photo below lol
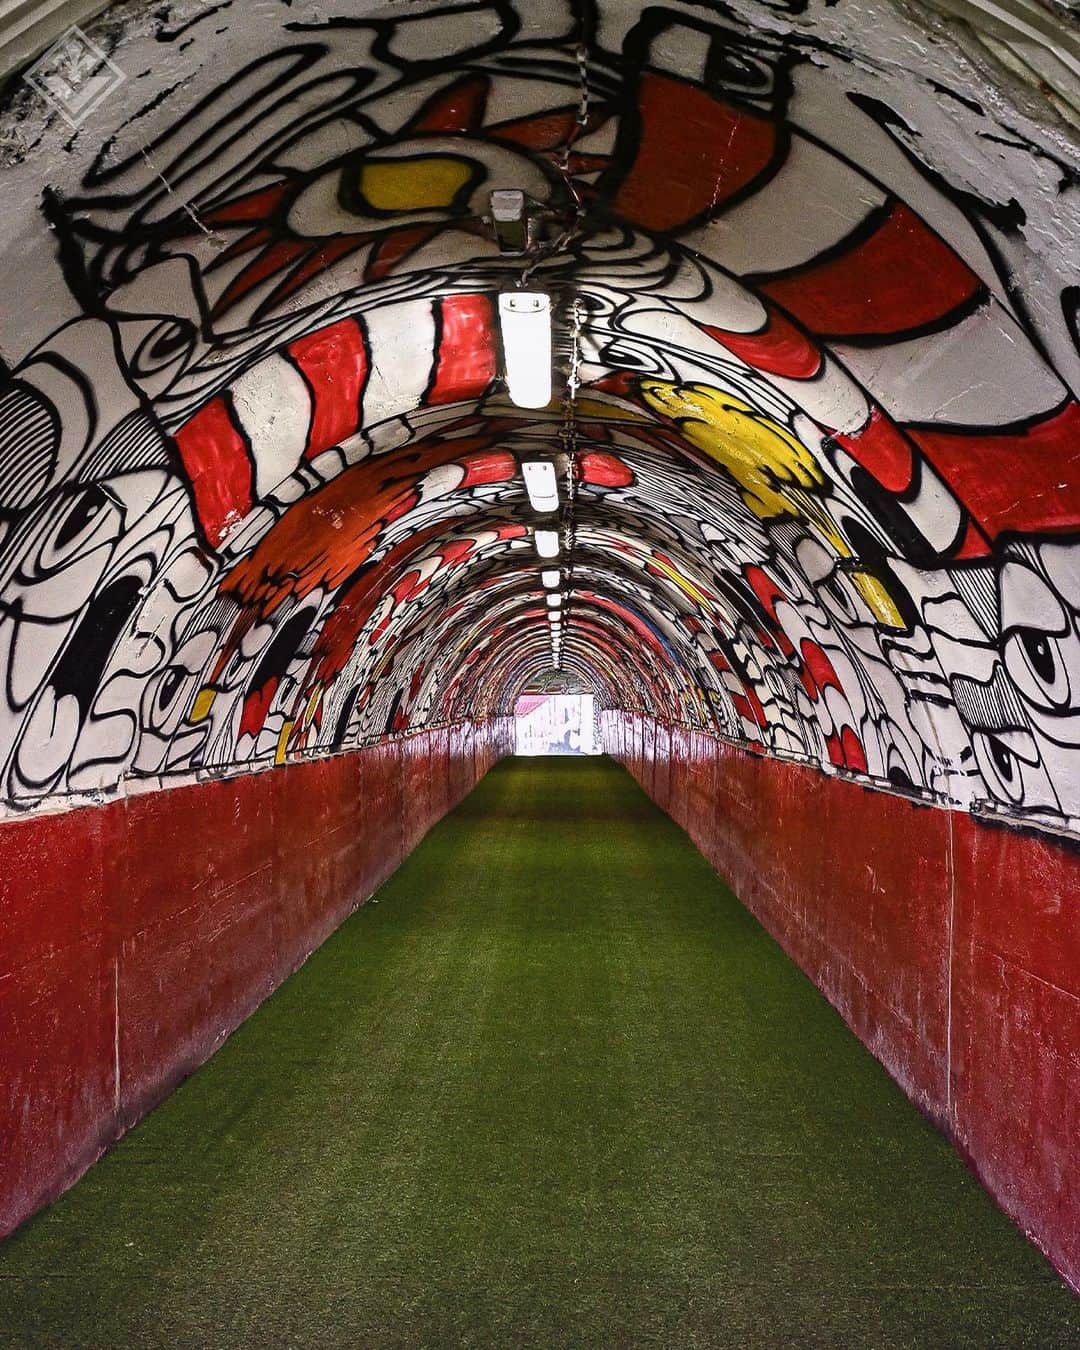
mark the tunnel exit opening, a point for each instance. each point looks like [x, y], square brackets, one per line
[556, 724]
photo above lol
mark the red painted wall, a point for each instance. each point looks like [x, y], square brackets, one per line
[951, 947]
[135, 936]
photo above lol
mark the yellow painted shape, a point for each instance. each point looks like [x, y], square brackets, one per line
[878, 599]
[414, 184]
[312, 704]
[204, 701]
[763, 457]
[594, 407]
[282, 742]
[686, 586]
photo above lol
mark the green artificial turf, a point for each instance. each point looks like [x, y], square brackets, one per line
[555, 1088]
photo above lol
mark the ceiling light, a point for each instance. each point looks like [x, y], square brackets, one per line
[547, 543]
[550, 577]
[510, 220]
[525, 320]
[553, 618]
[554, 601]
[541, 485]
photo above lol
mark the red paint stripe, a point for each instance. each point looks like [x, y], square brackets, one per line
[882, 450]
[272, 261]
[778, 349]
[256, 707]
[216, 461]
[854, 755]
[456, 552]
[544, 131]
[901, 277]
[317, 261]
[334, 362]
[255, 206]
[409, 586]
[983, 468]
[695, 153]
[974, 543]
[495, 466]
[465, 360]
[394, 247]
[459, 107]
[819, 665]
[600, 469]
[769, 595]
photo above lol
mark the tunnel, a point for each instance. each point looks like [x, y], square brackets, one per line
[375, 373]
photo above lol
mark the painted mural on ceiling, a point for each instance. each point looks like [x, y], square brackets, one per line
[815, 427]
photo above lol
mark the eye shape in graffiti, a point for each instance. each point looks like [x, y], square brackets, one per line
[1006, 751]
[1039, 591]
[391, 197]
[69, 618]
[1040, 644]
[59, 558]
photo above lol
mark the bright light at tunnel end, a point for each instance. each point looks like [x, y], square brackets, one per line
[547, 543]
[525, 321]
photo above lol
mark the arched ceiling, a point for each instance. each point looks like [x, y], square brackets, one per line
[813, 421]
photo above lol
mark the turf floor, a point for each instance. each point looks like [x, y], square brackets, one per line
[555, 1088]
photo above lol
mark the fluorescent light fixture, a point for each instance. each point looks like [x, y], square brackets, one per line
[525, 320]
[540, 484]
[547, 543]
[554, 601]
[550, 577]
[553, 618]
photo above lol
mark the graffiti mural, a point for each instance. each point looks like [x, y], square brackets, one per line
[815, 416]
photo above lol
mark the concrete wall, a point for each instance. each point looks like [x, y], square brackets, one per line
[951, 947]
[135, 936]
